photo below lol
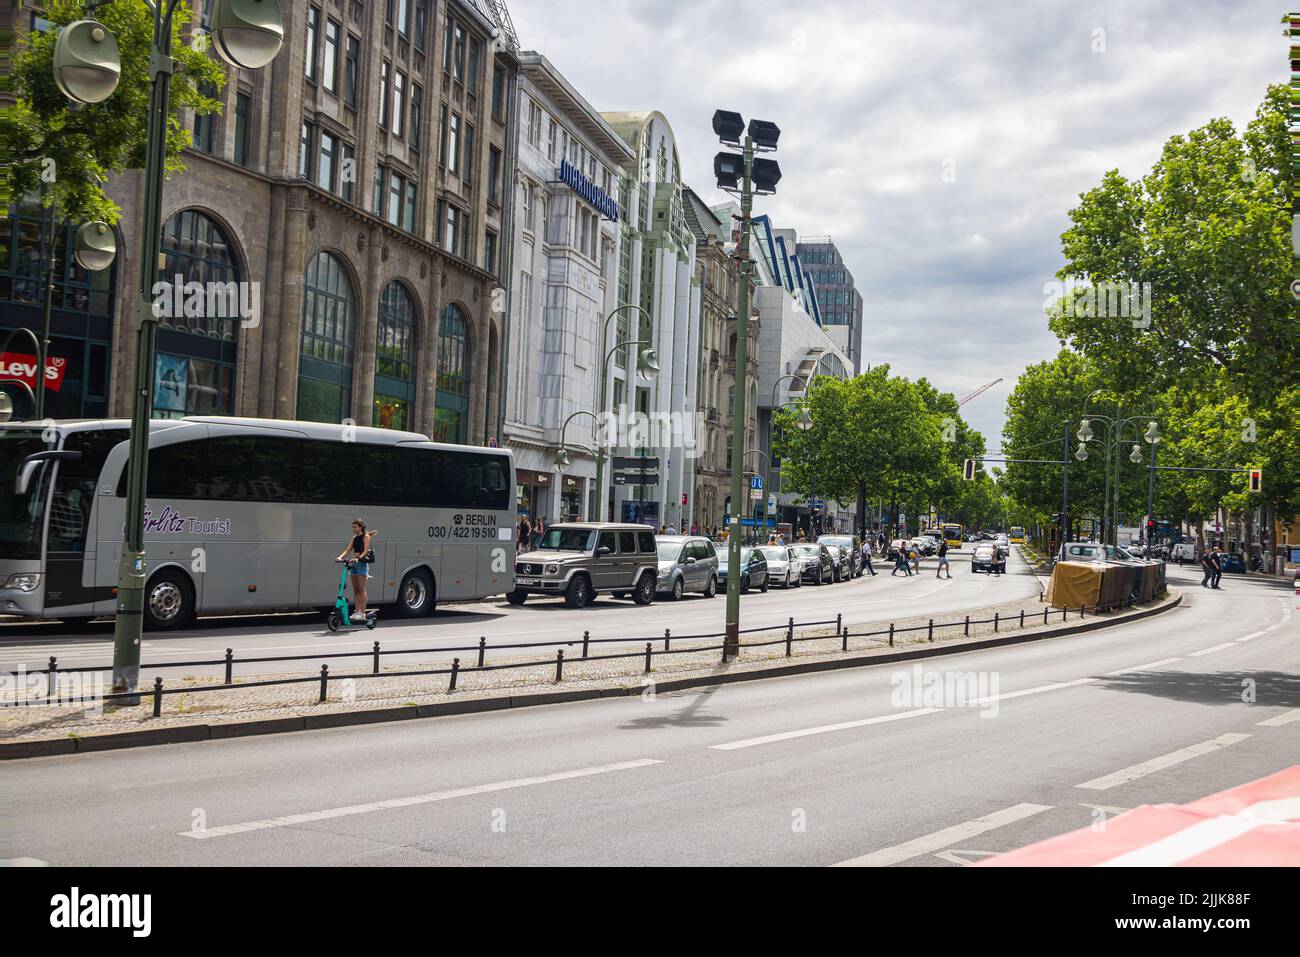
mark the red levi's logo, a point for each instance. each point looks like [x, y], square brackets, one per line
[16, 365]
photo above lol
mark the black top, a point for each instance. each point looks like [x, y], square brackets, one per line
[359, 544]
[943, 549]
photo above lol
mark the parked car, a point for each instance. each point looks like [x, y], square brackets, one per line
[1095, 552]
[686, 563]
[783, 565]
[1004, 545]
[753, 570]
[896, 546]
[850, 543]
[1232, 562]
[818, 566]
[924, 545]
[841, 567]
[987, 558]
[1183, 552]
[580, 560]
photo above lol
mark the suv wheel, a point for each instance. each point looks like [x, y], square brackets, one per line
[644, 593]
[578, 594]
[712, 589]
[516, 597]
[678, 588]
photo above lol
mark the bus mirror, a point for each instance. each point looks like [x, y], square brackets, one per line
[23, 480]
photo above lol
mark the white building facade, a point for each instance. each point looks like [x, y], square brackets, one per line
[564, 281]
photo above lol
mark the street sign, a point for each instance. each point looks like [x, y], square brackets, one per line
[756, 494]
[756, 482]
[771, 503]
[636, 463]
[636, 478]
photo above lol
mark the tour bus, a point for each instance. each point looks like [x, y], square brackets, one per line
[1017, 535]
[952, 534]
[247, 515]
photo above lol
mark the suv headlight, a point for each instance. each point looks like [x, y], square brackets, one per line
[552, 569]
[25, 581]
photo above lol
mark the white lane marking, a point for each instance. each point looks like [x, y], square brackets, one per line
[1038, 690]
[1207, 835]
[430, 798]
[1123, 776]
[949, 836]
[822, 729]
[1253, 635]
[1146, 667]
[1286, 717]
[1209, 651]
[964, 855]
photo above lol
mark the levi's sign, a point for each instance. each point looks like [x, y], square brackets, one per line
[588, 190]
[17, 365]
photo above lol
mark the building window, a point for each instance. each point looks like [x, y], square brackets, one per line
[399, 102]
[453, 144]
[330, 74]
[351, 70]
[421, 18]
[205, 124]
[325, 163]
[403, 12]
[325, 360]
[469, 153]
[498, 90]
[534, 123]
[347, 172]
[383, 95]
[243, 104]
[377, 197]
[396, 187]
[550, 139]
[442, 135]
[446, 47]
[394, 359]
[494, 174]
[417, 101]
[452, 405]
[408, 214]
[313, 26]
[471, 81]
[458, 62]
[529, 207]
[195, 366]
[490, 251]
[304, 151]
[455, 227]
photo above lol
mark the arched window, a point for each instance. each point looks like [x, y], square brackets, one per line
[200, 302]
[452, 406]
[325, 361]
[395, 358]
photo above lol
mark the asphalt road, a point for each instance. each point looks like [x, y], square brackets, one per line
[861, 600]
[810, 770]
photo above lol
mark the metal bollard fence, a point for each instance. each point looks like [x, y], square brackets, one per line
[789, 639]
[559, 664]
[482, 649]
[455, 670]
[324, 681]
[157, 697]
[995, 621]
[844, 635]
[648, 655]
[667, 638]
[929, 634]
[374, 666]
[965, 629]
[1044, 614]
[230, 661]
[586, 637]
[1022, 618]
[1080, 611]
[891, 634]
[839, 621]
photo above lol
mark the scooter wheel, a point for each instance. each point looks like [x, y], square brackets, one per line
[335, 621]
[370, 624]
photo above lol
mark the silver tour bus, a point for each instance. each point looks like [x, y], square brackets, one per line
[247, 515]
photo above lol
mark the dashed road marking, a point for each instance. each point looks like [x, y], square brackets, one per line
[1133, 772]
[1207, 651]
[822, 729]
[1286, 717]
[949, 836]
[1147, 667]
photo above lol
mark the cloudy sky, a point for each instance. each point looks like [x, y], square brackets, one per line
[1023, 105]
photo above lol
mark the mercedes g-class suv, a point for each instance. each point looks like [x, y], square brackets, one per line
[580, 560]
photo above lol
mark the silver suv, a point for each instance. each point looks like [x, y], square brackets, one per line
[580, 560]
[687, 563]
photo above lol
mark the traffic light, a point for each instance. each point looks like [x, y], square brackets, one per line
[968, 470]
[1151, 529]
[1256, 481]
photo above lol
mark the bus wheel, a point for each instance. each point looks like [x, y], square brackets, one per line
[168, 601]
[578, 594]
[645, 590]
[415, 596]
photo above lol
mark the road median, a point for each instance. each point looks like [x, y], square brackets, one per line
[205, 709]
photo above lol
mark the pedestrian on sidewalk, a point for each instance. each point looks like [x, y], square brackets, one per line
[916, 560]
[1207, 566]
[866, 558]
[1216, 567]
[525, 541]
[943, 561]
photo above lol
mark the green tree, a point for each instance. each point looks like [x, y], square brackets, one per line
[66, 152]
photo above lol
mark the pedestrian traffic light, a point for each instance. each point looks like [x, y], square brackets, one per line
[1151, 528]
[1256, 481]
[968, 470]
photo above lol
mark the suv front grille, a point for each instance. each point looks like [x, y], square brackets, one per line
[527, 568]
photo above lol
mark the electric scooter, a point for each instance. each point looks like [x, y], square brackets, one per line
[340, 615]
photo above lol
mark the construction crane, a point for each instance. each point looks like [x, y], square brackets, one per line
[978, 392]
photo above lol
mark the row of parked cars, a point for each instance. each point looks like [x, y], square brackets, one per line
[578, 561]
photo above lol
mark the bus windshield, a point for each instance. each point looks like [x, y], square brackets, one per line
[21, 515]
[567, 540]
[952, 533]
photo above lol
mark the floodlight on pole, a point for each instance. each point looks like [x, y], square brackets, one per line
[764, 134]
[728, 126]
[728, 168]
[767, 173]
[86, 63]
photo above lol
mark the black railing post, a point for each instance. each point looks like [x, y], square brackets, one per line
[667, 638]
[891, 634]
[1064, 612]
[929, 634]
[995, 621]
[157, 697]
[844, 635]
[324, 680]
[230, 663]
[648, 654]
[1022, 618]
[1044, 614]
[839, 621]
[559, 664]
[54, 668]
[965, 628]
[586, 637]
[374, 664]
[482, 649]
[1080, 611]
[455, 670]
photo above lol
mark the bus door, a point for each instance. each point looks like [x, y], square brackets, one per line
[71, 539]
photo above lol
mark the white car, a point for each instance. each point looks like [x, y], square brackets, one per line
[784, 567]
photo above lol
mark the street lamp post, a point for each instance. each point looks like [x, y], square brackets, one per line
[805, 419]
[647, 364]
[248, 34]
[739, 174]
[765, 475]
[562, 454]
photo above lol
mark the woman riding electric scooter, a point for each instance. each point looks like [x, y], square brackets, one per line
[359, 552]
